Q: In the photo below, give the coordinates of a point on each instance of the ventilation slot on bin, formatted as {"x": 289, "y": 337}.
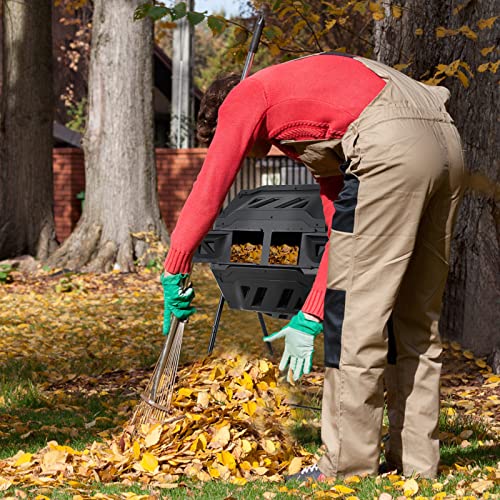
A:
{"x": 261, "y": 202}
{"x": 259, "y": 296}
{"x": 285, "y": 298}
{"x": 295, "y": 203}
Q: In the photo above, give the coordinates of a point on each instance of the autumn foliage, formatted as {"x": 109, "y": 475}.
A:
{"x": 233, "y": 416}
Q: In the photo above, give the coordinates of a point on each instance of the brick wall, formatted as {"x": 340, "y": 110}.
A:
{"x": 69, "y": 180}
{"x": 176, "y": 169}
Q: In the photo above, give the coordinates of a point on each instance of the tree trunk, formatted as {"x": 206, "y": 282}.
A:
{"x": 121, "y": 192}
{"x": 471, "y": 313}
{"x": 26, "y": 110}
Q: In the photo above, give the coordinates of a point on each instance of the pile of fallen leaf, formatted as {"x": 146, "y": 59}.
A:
{"x": 89, "y": 335}
{"x": 227, "y": 421}
{"x": 250, "y": 253}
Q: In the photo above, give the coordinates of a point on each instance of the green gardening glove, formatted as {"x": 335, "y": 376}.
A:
{"x": 176, "y": 300}
{"x": 299, "y": 336}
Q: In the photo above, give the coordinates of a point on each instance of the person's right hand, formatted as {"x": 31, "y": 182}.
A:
{"x": 176, "y": 299}
{"x": 299, "y": 335}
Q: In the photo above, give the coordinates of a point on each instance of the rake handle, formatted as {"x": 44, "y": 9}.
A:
{"x": 167, "y": 346}
{"x": 254, "y": 45}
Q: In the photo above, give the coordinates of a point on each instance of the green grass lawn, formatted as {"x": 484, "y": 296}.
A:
{"x": 73, "y": 363}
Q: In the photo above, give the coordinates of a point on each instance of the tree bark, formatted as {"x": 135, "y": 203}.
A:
{"x": 26, "y": 110}
{"x": 471, "y": 312}
{"x": 121, "y": 191}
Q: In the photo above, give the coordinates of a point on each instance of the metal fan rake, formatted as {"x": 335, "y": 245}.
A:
{"x": 157, "y": 397}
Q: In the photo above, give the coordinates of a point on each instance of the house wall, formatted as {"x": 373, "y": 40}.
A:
{"x": 176, "y": 171}
{"x": 69, "y": 180}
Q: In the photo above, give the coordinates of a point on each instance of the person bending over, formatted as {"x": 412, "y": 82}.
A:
{"x": 390, "y": 203}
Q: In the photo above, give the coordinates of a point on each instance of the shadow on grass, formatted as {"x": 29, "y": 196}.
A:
{"x": 475, "y": 454}
{"x": 32, "y": 414}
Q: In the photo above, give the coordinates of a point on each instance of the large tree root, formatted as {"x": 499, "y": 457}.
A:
{"x": 88, "y": 250}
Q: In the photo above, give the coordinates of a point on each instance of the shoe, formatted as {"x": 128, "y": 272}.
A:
{"x": 312, "y": 472}
{"x": 385, "y": 468}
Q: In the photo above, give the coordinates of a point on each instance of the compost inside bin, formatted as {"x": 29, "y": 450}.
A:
{"x": 284, "y": 249}
{"x": 246, "y": 248}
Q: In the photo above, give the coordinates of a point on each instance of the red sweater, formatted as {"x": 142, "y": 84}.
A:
{"x": 315, "y": 97}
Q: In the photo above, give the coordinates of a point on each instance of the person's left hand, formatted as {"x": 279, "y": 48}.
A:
{"x": 177, "y": 301}
{"x": 299, "y": 335}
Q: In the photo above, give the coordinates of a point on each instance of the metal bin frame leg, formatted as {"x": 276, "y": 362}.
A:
{"x": 215, "y": 328}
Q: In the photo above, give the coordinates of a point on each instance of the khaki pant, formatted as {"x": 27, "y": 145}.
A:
{"x": 389, "y": 250}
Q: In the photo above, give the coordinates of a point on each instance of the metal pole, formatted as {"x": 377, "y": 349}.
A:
{"x": 215, "y": 328}
{"x": 182, "y": 82}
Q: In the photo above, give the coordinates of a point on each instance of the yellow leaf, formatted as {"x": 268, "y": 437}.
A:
{"x": 153, "y": 436}
{"x": 401, "y": 66}
{"x": 397, "y": 11}
{"x": 410, "y": 487}
{"x": 486, "y": 23}
{"x": 343, "y": 489}
{"x": 200, "y": 443}
{"x": 456, "y": 346}
{"x": 330, "y": 24}
{"x": 240, "y": 481}
{"x": 494, "y": 66}
{"x": 260, "y": 470}
{"x": 441, "y": 31}
{"x": 246, "y": 446}
{"x": 440, "y": 496}
{"x": 54, "y": 460}
{"x": 487, "y": 50}
{"x": 214, "y": 472}
{"x": 269, "y": 446}
{"x": 482, "y": 485}
{"x": 463, "y": 79}
{"x": 465, "y": 30}
{"x": 184, "y": 392}
{"x": 468, "y": 354}
{"x": 493, "y": 379}
{"x": 419, "y": 32}
{"x": 295, "y": 466}
{"x": 221, "y": 438}
{"x": 23, "y": 459}
{"x": 227, "y": 459}
{"x": 149, "y": 462}
{"x": 377, "y": 11}
{"x": 217, "y": 372}
{"x": 246, "y": 466}
{"x": 250, "y": 407}
{"x": 203, "y": 399}
{"x": 437, "y": 486}
{"x": 360, "y": 7}
{"x": 136, "y": 450}
{"x": 352, "y": 479}
{"x": 483, "y": 67}
{"x": 263, "y": 366}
